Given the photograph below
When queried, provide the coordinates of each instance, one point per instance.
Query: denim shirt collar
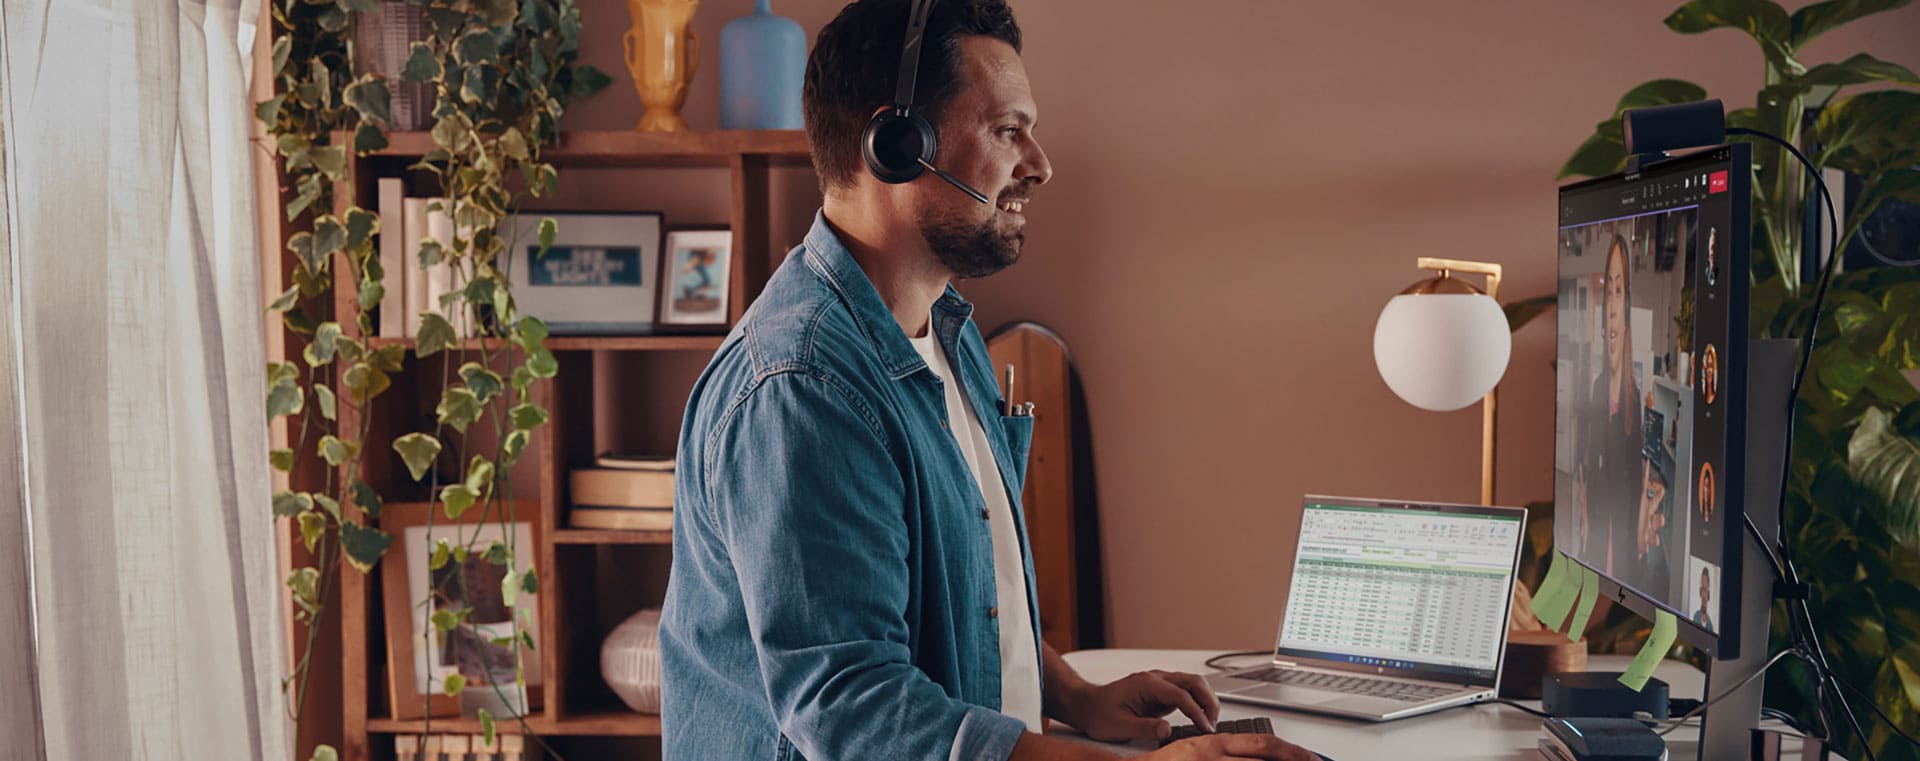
(827, 257)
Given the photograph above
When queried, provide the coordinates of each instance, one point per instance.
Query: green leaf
(516, 442)
(282, 47)
(309, 188)
(479, 474)
(530, 584)
(332, 20)
(527, 416)
(337, 451)
(285, 300)
(513, 145)
(1887, 464)
(281, 459)
(1870, 133)
(366, 498)
(1763, 20)
(532, 332)
(421, 65)
(445, 620)
(282, 372)
(363, 546)
(497, 554)
(454, 684)
(388, 359)
(526, 637)
(312, 526)
(548, 230)
(324, 752)
(368, 95)
(320, 350)
(366, 381)
(588, 80)
(327, 504)
(542, 364)
(418, 450)
(477, 46)
(457, 498)
(301, 244)
(284, 399)
(510, 589)
(331, 160)
(486, 731)
(484, 383)
(287, 504)
(480, 85)
(1819, 18)
(361, 225)
(371, 294)
(436, 335)
(268, 111)
(328, 236)
(367, 138)
(522, 378)
(458, 408)
(305, 584)
(359, 6)
(441, 552)
(324, 396)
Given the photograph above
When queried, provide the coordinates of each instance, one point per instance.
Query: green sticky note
(1589, 596)
(1552, 584)
(1558, 592)
(1664, 630)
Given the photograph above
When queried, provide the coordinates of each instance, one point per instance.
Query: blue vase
(763, 63)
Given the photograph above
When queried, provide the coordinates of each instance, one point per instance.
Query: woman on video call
(1605, 504)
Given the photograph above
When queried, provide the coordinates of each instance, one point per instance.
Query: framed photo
(696, 284)
(419, 656)
(597, 278)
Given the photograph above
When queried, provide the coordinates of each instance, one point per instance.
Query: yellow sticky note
(1658, 643)
(1589, 596)
(1558, 592)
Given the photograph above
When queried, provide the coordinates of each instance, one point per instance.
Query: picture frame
(596, 279)
(414, 678)
(696, 280)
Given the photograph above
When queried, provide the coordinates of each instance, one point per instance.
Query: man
(1702, 616)
(850, 576)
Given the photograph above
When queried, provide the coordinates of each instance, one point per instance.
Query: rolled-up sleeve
(808, 497)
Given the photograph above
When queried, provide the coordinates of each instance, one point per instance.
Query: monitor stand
(1726, 731)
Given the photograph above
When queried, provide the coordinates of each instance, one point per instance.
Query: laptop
(1395, 609)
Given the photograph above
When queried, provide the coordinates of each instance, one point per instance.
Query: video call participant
(1701, 617)
(848, 579)
(1604, 497)
(1649, 570)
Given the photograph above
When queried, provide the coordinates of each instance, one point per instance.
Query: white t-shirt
(1019, 660)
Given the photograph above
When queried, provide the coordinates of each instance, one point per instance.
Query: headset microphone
(899, 143)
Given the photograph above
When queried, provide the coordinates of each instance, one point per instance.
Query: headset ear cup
(894, 145)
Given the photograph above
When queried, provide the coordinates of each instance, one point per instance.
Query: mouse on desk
(1260, 725)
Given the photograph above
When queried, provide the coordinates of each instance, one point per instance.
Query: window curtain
(139, 609)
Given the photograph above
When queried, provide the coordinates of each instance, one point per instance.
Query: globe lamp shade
(1442, 351)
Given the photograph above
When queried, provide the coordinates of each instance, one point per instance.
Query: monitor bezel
(1733, 384)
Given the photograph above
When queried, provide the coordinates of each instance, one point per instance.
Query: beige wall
(1240, 187)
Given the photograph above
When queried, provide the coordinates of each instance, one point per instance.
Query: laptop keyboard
(1407, 692)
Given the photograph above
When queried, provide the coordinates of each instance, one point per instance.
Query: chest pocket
(1019, 433)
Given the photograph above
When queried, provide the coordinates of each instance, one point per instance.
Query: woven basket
(630, 661)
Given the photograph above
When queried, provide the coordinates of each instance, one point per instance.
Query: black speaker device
(899, 143)
(1599, 694)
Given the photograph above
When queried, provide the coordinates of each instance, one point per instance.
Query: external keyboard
(1255, 726)
(1408, 692)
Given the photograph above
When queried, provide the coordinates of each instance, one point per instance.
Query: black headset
(899, 143)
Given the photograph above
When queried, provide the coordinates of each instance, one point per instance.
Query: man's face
(986, 140)
(1706, 590)
(1654, 493)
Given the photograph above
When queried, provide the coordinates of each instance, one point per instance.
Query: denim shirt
(832, 593)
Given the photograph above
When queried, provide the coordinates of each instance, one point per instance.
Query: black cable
(1804, 628)
(1522, 706)
(1235, 654)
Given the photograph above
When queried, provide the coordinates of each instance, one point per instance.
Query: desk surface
(1486, 731)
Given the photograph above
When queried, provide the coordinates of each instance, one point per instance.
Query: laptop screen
(1403, 587)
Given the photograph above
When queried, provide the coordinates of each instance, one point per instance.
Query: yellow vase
(662, 54)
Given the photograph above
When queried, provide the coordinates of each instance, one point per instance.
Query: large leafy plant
(502, 72)
(1853, 507)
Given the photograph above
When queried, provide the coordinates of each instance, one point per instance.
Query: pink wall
(1241, 185)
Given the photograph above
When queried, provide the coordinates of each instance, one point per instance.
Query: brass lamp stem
(1489, 404)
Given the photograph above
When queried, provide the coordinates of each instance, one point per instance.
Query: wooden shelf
(630, 149)
(600, 724)
(706, 343)
(610, 536)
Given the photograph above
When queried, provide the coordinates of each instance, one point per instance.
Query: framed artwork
(695, 286)
(597, 278)
(419, 656)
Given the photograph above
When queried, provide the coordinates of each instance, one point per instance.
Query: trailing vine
(503, 72)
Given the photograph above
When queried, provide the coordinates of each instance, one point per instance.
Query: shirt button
(984, 515)
(993, 613)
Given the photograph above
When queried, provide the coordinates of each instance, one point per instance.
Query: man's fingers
(1196, 686)
(1170, 694)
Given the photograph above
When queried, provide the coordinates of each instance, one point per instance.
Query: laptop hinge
(1285, 664)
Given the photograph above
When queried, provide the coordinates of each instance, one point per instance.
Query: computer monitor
(1650, 408)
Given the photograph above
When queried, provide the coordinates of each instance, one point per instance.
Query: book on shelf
(617, 487)
(426, 218)
(622, 518)
(393, 257)
(656, 463)
(448, 747)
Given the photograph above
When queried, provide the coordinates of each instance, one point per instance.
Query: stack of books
(627, 492)
(460, 748)
(412, 289)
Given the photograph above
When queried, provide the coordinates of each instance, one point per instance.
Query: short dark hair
(856, 60)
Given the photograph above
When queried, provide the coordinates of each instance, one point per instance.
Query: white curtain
(139, 609)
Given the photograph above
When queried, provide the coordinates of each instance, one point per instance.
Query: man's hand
(1208, 747)
(1130, 709)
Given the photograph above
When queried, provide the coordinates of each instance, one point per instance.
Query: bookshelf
(574, 564)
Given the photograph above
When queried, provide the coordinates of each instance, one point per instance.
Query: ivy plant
(503, 73)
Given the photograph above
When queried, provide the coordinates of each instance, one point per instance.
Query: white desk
(1486, 731)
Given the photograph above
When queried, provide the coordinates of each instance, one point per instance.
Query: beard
(970, 249)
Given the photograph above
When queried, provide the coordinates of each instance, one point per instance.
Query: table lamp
(1442, 344)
